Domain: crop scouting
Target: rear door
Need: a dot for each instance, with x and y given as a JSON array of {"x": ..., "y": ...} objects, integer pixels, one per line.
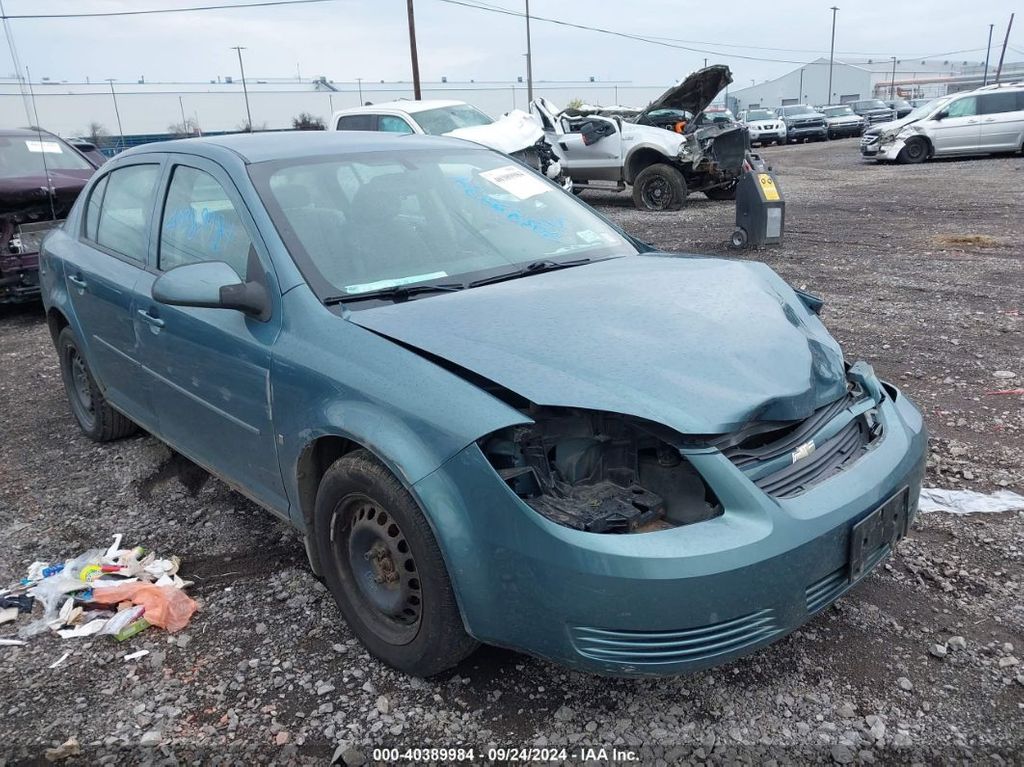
[
  {"x": 210, "y": 368},
  {"x": 1002, "y": 120},
  {"x": 960, "y": 130},
  {"x": 109, "y": 261}
]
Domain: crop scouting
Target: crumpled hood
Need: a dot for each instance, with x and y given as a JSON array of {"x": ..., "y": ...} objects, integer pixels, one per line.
[
  {"x": 693, "y": 94},
  {"x": 510, "y": 133},
  {"x": 701, "y": 345},
  {"x": 24, "y": 198}
]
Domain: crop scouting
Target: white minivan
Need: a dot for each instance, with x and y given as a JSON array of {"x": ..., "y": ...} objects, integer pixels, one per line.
[{"x": 983, "y": 121}]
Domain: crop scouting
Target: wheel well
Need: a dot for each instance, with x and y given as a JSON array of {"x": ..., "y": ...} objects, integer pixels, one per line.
[
  {"x": 56, "y": 321},
  {"x": 315, "y": 460},
  {"x": 640, "y": 159},
  {"x": 927, "y": 142}
]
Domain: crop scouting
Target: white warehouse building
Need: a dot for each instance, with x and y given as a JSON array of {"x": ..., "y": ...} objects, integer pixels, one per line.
[{"x": 852, "y": 81}]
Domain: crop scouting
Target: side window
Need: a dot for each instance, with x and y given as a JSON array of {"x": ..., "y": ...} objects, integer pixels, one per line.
[
  {"x": 92, "y": 211},
  {"x": 967, "y": 107},
  {"x": 995, "y": 103},
  {"x": 123, "y": 217},
  {"x": 357, "y": 122},
  {"x": 392, "y": 124},
  {"x": 200, "y": 223}
]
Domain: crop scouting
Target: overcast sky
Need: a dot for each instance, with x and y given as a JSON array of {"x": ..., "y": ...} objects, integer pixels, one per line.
[{"x": 345, "y": 39}]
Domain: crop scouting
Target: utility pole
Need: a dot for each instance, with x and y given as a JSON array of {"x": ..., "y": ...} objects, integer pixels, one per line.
[
  {"x": 800, "y": 95},
  {"x": 416, "y": 93},
  {"x": 529, "y": 58},
  {"x": 892, "y": 83},
  {"x": 117, "y": 114},
  {"x": 1002, "y": 53},
  {"x": 245, "y": 90},
  {"x": 359, "y": 83},
  {"x": 184, "y": 123},
  {"x": 832, "y": 54},
  {"x": 988, "y": 53}
]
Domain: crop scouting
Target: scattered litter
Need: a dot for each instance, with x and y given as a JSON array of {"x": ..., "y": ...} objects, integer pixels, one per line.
[
  {"x": 69, "y": 747},
  {"x": 11, "y": 642},
  {"x": 60, "y": 660},
  {"x": 115, "y": 591},
  {"x": 136, "y": 655},
  {"x": 969, "y": 501}
]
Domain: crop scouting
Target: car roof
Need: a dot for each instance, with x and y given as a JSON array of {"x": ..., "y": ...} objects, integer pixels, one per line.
[
  {"x": 287, "y": 145},
  {"x": 403, "y": 105},
  {"x": 26, "y": 132}
]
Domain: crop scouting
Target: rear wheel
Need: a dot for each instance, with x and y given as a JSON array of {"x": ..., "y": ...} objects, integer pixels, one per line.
[
  {"x": 914, "y": 151},
  {"x": 96, "y": 418},
  {"x": 659, "y": 187},
  {"x": 384, "y": 568}
]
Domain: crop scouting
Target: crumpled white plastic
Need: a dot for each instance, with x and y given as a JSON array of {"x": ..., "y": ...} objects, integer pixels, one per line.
[{"x": 969, "y": 501}]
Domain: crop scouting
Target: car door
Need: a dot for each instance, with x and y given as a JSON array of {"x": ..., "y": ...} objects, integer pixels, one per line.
[
  {"x": 1002, "y": 120},
  {"x": 210, "y": 368},
  {"x": 103, "y": 277},
  {"x": 592, "y": 156},
  {"x": 393, "y": 124},
  {"x": 959, "y": 130}
]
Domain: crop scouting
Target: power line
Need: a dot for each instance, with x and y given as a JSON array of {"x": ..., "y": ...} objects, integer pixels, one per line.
[{"x": 151, "y": 11}]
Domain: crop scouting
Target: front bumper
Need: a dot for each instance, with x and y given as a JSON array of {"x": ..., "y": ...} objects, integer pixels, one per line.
[
  {"x": 846, "y": 129},
  {"x": 888, "y": 149},
  {"x": 757, "y": 137},
  {"x": 665, "y": 602},
  {"x": 19, "y": 277},
  {"x": 802, "y": 132}
]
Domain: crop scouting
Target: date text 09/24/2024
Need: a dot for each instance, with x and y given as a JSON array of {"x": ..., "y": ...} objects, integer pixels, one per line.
[{"x": 505, "y": 754}]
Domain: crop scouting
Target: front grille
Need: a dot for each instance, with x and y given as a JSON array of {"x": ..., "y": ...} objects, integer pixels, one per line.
[
  {"x": 822, "y": 592},
  {"x": 828, "y": 459},
  {"x": 636, "y": 648}
]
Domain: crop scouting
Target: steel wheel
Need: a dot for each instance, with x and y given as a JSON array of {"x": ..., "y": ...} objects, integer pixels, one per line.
[
  {"x": 80, "y": 390},
  {"x": 372, "y": 550}
]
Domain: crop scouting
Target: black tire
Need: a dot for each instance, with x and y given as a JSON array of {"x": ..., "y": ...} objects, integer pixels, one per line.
[
  {"x": 97, "y": 419},
  {"x": 577, "y": 190},
  {"x": 659, "y": 187},
  {"x": 739, "y": 238},
  {"x": 382, "y": 564},
  {"x": 722, "y": 192},
  {"x": 913, "y": 152}
]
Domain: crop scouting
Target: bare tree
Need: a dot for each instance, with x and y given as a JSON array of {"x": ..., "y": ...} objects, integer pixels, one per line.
[
  {"x": 306, "y": 121},
  {"x": 188, "y": 128},
  {"x": 96, "y": 133},
  {"x": 243, "y": 127}
]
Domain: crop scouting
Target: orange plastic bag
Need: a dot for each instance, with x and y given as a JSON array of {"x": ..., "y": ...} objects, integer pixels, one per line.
[{"x": 166, "y": 607}]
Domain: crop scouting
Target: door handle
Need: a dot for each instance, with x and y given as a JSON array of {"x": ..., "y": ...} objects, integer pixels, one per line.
[
  {"x": 990, "y": 119},
  {"x": 971, "y": 122},
  {"x": 155, "y": 322},
  {"x": 77, "y": 281}
]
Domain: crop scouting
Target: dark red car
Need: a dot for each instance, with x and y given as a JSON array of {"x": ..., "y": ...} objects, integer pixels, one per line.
[{"x": 40, "y": 178}]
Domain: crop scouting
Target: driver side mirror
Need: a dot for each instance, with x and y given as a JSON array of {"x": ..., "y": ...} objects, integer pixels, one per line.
[
  {"x": 212, "y": 285},
  {"x": 941, "y": 115}
]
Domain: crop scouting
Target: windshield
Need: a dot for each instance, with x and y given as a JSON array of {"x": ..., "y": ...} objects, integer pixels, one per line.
[
  {"x": 800, "y": 109},
  {"x": 837, "y": 111},
  {"x": 927, "y": 108},
  {"x": 871, "y": 104},
  {"x": 759, "y": 114},
  {"x": 360, "y": 223},
  {"x": 442, "y": 120},
  {"x": 23, "y": 156}
]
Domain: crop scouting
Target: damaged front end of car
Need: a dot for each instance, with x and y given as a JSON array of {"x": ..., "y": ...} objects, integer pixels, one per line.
[{"x": 609, "y": 473}]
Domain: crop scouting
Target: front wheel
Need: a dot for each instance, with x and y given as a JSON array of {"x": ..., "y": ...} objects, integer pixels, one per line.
[
  {"x": 659, "y": 187},
  {"x": 914, "y": 151},
  {"x": 385, "y": 570},
  {"x": 96, "y": 418}
]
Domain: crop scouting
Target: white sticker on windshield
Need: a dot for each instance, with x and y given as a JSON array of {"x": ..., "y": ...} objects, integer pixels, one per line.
[
  {"x": 366, "y": 287},
  {"x": 50, "y": 147},
  {"x": 516, "y": 181},
  {"x": 589, "y": 236}
]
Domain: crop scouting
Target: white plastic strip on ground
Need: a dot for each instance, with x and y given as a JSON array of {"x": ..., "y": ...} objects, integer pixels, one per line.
[{"x": 969, "y": 501}]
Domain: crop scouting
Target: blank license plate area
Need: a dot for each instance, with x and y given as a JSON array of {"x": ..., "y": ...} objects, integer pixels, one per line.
[{"x": 885, "y": 526}]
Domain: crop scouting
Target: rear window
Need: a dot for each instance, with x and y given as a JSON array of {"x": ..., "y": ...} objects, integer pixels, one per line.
[
  {"x": 25, "y": 156},
  {"x": 995, "y": 103},
  {"x": 357, "y": 122}
]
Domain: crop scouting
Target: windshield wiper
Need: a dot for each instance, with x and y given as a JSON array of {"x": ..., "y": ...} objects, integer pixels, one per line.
[
  {"x": 544, "y": 265},
  {"x": 396, "y": 293}
]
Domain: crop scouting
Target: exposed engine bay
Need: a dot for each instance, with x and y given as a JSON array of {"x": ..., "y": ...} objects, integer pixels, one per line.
[{"x": 600, "y": 473}]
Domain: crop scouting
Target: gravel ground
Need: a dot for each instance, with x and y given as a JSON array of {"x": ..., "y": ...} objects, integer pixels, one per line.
[{"x": 918, "y": 664}]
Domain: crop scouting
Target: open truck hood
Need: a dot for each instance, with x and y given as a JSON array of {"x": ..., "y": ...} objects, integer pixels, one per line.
[
  {"x": 693, "y": 94},
  {"x": 701, "y": 345}
]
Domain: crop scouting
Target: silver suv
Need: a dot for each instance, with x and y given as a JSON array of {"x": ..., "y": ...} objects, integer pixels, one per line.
[{"x": 984, "y": 121}]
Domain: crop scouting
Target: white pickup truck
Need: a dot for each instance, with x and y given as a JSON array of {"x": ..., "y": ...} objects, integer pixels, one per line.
[{"x": 615, "y": 149}]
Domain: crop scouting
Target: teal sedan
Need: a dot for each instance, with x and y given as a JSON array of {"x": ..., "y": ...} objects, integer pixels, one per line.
[{"x": 493, "y": 416}]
